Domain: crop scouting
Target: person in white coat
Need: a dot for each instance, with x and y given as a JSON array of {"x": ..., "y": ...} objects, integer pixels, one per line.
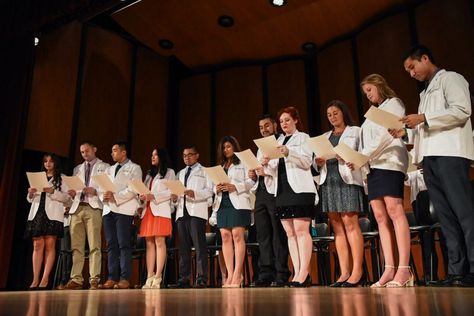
[
  {"x": 119, "y": 209},
  {"x": 191, "y": 219},
  {"x": 156, "y": 216},
  {"x": 441, "y": 133},
  {"x": 232, "y": 209},
  {"x": 295, "y": 192},
  {"x": 45, "y": 220},
  {"x": 342, "y": 198},
  {"x": 86, "y": 219},
  {"x": 388, "y": 166}
]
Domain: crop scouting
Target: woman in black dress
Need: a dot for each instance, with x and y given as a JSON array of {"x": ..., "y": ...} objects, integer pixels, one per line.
[
  {"x": 45, "y": 220},
  {"x": 296, "y": 194}
]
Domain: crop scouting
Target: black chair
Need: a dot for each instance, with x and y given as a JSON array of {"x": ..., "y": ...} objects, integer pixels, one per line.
[
  {"x": 371, "y": 241},
  {"x": 321, "y": 247},
  {"x": 417, "y": 234}
]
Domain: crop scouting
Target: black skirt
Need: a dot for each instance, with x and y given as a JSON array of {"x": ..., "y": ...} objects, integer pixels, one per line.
[
  {"x": 228, "y": 216},
  {"x": 383, "y": 182},
  {"x": 41, "y": 225}
]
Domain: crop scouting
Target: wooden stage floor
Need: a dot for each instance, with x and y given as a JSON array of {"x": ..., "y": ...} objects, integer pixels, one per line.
[{"x": 242, "y": 302}]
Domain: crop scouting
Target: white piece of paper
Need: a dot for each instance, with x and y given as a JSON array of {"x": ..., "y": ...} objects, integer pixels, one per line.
[
  {"x": 139, "y": 187},
  {"x": 322, "y": 147},
  {"x": 268, "y": 145},
  {"x": 248, "y": 159},
  {"x": 383, "y": 118},
  {"x": 104, "y": 182},
  {"x": 351, "y": 155},
  {"x": 38, "y": 180},
  {"x": 175, "y": 187},
  {"x": 73, "y": 183},
  {"x": 217, "y": 174}
]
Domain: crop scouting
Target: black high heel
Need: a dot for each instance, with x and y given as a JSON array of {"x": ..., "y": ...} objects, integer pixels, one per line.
[
  {"x": 362, "y": 281},
  {"x": 307, "y": 283},
  {"x": 338, "y": 283}
]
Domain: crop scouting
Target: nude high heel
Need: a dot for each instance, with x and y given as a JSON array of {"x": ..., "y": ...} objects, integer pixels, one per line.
[
  {"x": 408, "y": 283},
  {"x": 378, "y": 284}
]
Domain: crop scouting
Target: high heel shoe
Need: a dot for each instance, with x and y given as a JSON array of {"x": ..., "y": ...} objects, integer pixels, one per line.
[
  {"x": 408, "y": 283},
  {"x": 306, "y": 283},
  {"x": 362, "y": 281},
  {"x": 237, "y": 285},
  {"x": 378, "y": 284},
  {"x": 338, "y": 283}
]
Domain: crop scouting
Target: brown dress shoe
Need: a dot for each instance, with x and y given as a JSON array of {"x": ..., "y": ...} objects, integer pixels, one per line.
[
  {"x": 123, "y": 284},
  {"x": 71, "y": 285},
  {"x": 109, "y": 284},
  {"x": 93, "y": 284}
]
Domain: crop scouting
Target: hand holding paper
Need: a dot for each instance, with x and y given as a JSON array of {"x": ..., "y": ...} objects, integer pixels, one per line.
[
  {"x": 351, "y": 155},
  {"x": 269, "y": 146}
]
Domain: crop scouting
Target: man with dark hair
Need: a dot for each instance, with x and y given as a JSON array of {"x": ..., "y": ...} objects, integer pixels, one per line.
[
  {"x": 86, "y": 219},
  {"x": 271, "y": 237},
  {"x": 191, "y": 218},
  {"x": 442, "y": 136},
  {"x": 119, "y": 210}
]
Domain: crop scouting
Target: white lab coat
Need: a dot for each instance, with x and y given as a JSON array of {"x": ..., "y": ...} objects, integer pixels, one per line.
[
  {"x": 202, "y": 187},
  {"x": 161, "y": 205},
  {"x": 416, "y": 182},
  {"x": 126, "y": 201},
  {"x": 446, "y": 104},
  {"x": 54, "y": 203},
  {"x": 80, "y": 171},
  {"x": 297, "y": 163},
  {"x": 268, "y": 180},
  {"x": 240, "y": 198},
  {"x": 350, "y": 137}
]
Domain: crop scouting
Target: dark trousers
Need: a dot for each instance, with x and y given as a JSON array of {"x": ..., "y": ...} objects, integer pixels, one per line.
[
  {"x": 118, "y": 230},
  {"x": 192, "y": 231},
  {"x": 272, "y": 240},
  {"x": 66, "y": 256},
  {"x": 447, "y": 180}
]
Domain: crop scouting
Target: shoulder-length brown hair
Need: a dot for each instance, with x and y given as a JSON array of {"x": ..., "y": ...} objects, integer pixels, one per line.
[
  {"x": 220, "y": 150},
  {"x": 377, "y": 80},
  {"x": 346, "y": 114},
  {"x": 293, "y": 112}
]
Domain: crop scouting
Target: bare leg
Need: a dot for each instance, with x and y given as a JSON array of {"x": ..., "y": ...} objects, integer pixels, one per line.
[
  {"x": 150, "y": 256},
  {"x": 228, "y": 252},
  {"x": 387, "y": 238},
  {"x": 50, "y": 257},
  {"x": 356, "y": 242},
  {"x": 402, "y": 233},
  {"x": 342, "y": 245},
  {"x": 160, "y": 255},
  {"x": 292, "y": 245},
  {"x": 37, "y": 258},
  {"x": 305, "y": 246},
  {"x": 239, "y": 244}
]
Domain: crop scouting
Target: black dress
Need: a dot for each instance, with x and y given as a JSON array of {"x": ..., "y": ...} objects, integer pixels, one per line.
[
  {"x": 41, "y": 225},
  {"x": 288, "y": 203}
]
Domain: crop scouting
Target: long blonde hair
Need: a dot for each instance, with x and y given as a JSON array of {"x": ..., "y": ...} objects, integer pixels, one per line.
[{"x": 383, "y": 88}]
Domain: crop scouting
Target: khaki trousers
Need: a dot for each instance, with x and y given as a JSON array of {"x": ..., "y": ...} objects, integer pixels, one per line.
[{"x": 86, "y": 222}]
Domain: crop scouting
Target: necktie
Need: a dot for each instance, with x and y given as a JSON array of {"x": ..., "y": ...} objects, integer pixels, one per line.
[
  {"x": 87, "y": 175},
  {"x": 117, "y": 169},
  {"x": 186, "y": 176}
]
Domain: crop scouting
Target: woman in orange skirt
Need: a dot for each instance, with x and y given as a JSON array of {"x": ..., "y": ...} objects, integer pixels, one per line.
[{"x": 156, "y": 218}]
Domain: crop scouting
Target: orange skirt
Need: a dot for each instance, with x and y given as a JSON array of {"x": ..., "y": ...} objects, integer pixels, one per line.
[{"x": 155, "y": 226}]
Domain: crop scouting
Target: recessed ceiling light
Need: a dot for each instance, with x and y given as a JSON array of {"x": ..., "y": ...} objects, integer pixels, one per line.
[
  {"x": 225, "y": 21},
  {"x": 278, "y": 3},
  {"x": 166, "y": 44}
]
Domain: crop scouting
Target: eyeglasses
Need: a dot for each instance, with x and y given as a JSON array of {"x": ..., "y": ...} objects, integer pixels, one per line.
[{"x": 188, "y": 155}]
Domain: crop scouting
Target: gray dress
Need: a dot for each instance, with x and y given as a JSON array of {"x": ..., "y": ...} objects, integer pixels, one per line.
[{"x": 336, "y": 195}]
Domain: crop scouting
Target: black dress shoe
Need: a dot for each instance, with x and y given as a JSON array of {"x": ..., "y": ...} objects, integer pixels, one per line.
[
  {"x": 362, "y": 281},
  {"x": 450, "y": 281},
  {"x": 182, "y": 284},
  {"x": 467, "y": 281},
  {"x": 337, "y": 284},
  {"x": 200, "y": 284},
  {"x": 306, "y": 283},
  {"x": 261, "y": 283}
]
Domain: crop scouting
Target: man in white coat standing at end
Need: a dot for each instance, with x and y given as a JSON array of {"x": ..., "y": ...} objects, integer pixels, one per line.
[
  {"x": 86, "y": 219},
  {"x": 441, "y": 133},
  {"x": 191, "y": 218}
]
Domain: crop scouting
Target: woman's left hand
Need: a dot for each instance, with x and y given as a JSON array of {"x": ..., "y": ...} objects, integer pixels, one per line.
[{"x": 229, "y": 187}]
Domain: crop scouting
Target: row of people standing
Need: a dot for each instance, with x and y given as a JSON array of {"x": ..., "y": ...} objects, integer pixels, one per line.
[{"x": 290, "y": 181}]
